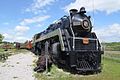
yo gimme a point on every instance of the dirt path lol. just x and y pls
(18, 67)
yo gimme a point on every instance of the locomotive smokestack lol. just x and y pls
(73, 11)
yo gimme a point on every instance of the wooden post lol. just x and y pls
(46, 55)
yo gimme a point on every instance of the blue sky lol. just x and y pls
(21, 19)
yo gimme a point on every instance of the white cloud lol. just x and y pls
(38, 6)
(108, 6)
(7, 36)
(20, 31)
(15, 38)
(34, 20)
(21, 28)
(110, 33)
(17, 35)
(21, 39)
(39, 25)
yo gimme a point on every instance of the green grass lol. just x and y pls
(112, 54)
(1, 50)
(110, 71)
(113, 46)
(9, 52)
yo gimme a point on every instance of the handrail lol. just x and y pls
(72, 34)
(81, 38)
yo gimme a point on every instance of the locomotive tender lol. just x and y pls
(70, 43)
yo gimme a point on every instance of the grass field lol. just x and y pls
(110, 71)
(1, 50)
(4, 54)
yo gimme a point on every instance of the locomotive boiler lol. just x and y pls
(71, 43)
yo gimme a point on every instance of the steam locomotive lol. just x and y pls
(70, 43)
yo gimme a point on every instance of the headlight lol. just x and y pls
(85, 24)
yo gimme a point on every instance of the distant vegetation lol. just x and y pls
(6, 49)
(113, 46)
(1, 38)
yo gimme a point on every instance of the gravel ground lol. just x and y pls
(18, 67)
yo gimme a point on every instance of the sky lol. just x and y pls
(21, 19)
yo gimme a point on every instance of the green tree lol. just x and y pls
(1, 38)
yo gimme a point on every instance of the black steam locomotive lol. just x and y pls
(70, 43)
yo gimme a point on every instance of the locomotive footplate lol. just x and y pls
(84, 60)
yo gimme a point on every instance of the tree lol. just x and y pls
(1, 38)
